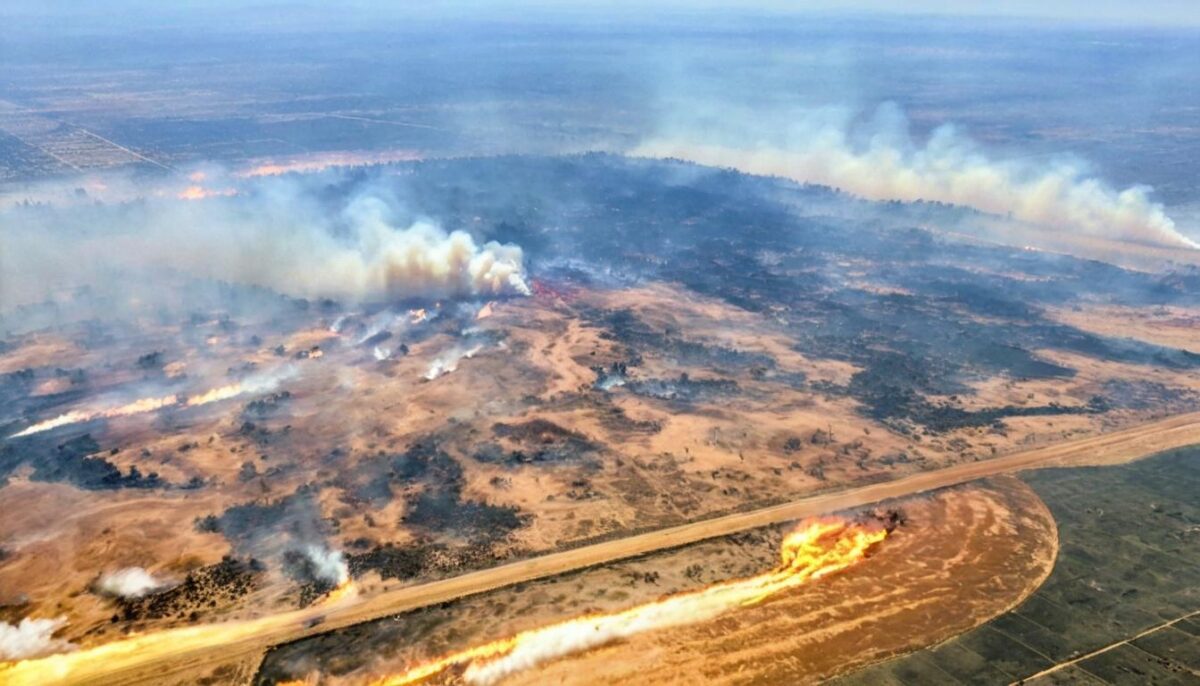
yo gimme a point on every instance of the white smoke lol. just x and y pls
(576, 637)
(447, 361)
(880, 160)
(32, 638)
(328, 565)
(131, 582)
(261, 383)
(278, 235)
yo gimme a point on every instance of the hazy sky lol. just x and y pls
(132, 14)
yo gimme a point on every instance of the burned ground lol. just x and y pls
(203, 591)
(995, 534)
(538, 440)
(243, 524)
(952, 318)
(78, 461)
(689, 348)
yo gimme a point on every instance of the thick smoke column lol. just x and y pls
(31, 638)
(282, 234)
(880, 160)
(131, 582)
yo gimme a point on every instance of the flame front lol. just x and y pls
(814, 550)
(144, 405)
(140, 406)
(137, 649)
(216, 394)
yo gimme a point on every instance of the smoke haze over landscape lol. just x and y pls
(880, 160)
(278, 235)
(476, 342)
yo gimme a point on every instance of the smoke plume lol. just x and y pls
(328, 565)
(814, 550)
(447, 361)
(881, 160)
(31, 638)
(285, 234)
(131, 582)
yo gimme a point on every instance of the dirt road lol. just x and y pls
(153, 658)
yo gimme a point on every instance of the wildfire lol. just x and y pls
(71, 417)
(223, 393)
(319, 161)
(144, 405)
(814, 550)
(140, 406)
(202, 193)
(135, 649)
(346, 590)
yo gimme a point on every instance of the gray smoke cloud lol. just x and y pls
(31, 638)
(447, 361)
(881, 160)
(328, 565)
(131, 582)
(276, 233)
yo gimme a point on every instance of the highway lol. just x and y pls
(153, 658)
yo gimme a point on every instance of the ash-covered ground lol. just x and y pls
(675, 343)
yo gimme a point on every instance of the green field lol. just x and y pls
(1129, 563)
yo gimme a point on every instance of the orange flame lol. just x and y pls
(82, 665)
(151, 404)
(222, 393)
(202, 193)
(814, 550)
(72, 417)
(140, 406)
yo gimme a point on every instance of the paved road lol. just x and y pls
(156, 656)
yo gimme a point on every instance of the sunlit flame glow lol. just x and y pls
(201, 193)
(233, 390)
(814, 550)
(319, 161)
(346, 590)
(140, 406)
(137, 649)
(145, 405)
(72, 417)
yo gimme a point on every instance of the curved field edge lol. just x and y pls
(1122, 597)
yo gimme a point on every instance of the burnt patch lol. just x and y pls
(1145, 395)
(300, 568)
(443, 510)
(625, 327)
(893, 389)
(220, 585)
(683, 389)
(76, 461)
(431, 481)
(293, 514)
(538, 440)
(423, 558)
(270, 405)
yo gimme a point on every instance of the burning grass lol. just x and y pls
(814, 550)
